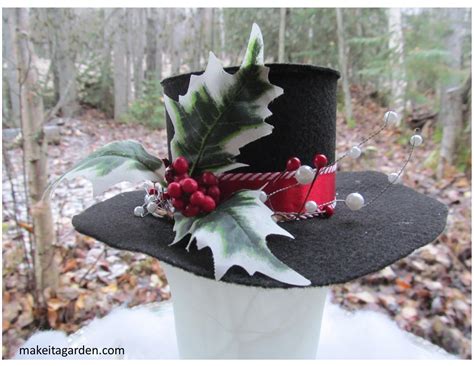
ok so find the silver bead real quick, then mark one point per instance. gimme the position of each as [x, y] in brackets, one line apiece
[391, 118]
[150, 198]
[311, 206]
[416, 140]
[354, 152]
[263, 196]
[304, 174]
[394, 178]
[138, 211]
[354, 201]
[151, 207]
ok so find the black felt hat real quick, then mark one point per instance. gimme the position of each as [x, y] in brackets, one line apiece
[336, 250]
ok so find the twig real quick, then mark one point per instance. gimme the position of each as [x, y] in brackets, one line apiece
[91, 267]
[59, 104]
[8, 170]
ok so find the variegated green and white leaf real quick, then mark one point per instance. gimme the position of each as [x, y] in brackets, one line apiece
[236, 233]
[220, 113]
[116, 162]
[182, 225]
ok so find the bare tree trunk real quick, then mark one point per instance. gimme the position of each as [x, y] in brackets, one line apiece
[451, 93]
[221, 27]
[9, 54]
[356, 77]
[35, 150]
[397, 61]
[343, 64]
[128, 52]
[281, 35]
[121, 82]
[151, 45]
[138, 45]
[198, 31]
[60, 23]
[311, 37]
[178, 33]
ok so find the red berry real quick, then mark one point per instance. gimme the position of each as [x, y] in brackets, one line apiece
[202, 189]
[328, 211]
[152, 191]
[166, 196]
[188, 185]
[180, 165]
[174, 190]
[166, 162]
[208, 204]
[197, 198]
[214, 192]
[191, 210]
[180, 177]
[199, 180]
[177, 203]
[169, 174]
[293, 164]
[320, 161]
[209, 179]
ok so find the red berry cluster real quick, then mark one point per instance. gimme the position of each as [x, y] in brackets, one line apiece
[191, 196]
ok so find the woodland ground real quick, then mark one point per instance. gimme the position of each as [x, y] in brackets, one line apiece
[428, 293]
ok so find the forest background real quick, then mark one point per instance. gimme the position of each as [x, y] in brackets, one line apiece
[94, 74]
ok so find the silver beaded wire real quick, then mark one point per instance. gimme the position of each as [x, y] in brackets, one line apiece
[378, 195]
[388, 119]
[363, 142]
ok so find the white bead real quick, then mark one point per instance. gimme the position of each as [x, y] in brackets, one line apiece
[263, 196]
[304, 174]
[394, 178]
[148, 184]
[416, 140]
[151, 207]
[138, 211]
[391, 118]
[355, 201]
[354, 152]
[311, 206]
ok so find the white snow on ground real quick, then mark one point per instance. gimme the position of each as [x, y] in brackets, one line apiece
[147, 332]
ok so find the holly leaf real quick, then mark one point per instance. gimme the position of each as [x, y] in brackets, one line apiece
[236, 234]
[113, 163]
[220, 113]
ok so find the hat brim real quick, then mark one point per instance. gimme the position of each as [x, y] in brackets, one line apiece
[326, 251]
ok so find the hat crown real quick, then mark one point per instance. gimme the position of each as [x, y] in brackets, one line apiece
[304, 117]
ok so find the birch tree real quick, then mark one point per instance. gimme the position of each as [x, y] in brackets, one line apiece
[35, 157]
[9, 54]
[397, 61]
[343, 64]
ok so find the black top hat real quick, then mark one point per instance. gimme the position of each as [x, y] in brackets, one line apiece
[325, 251]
